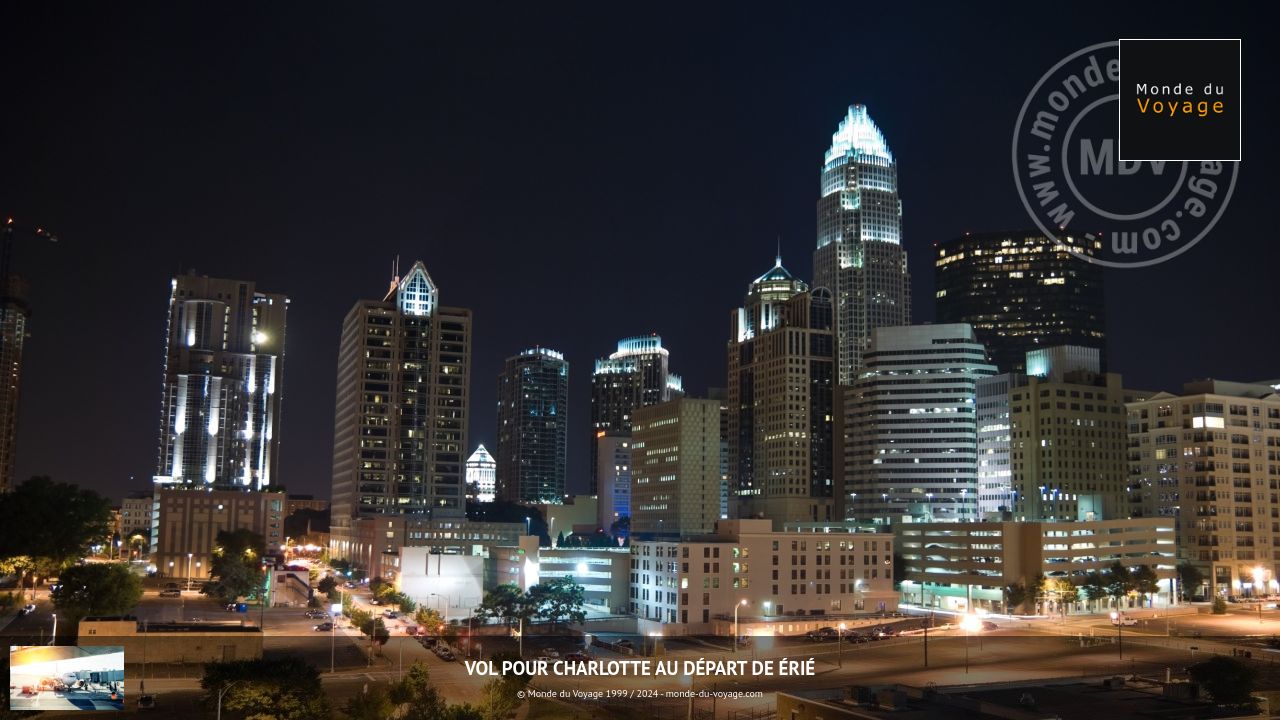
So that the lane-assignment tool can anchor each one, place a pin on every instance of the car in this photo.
(313, 614)
(375, 601)
(988, 625)
(146, 702)
(822, 633)
(625, 644)
(390, 614)
(171, 592)
(324, 627)
(349, 585)
(1124, 620)
(428, 642)
(27, 609)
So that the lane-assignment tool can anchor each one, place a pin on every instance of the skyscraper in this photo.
(612, 478)
(223, 376)
(533, 422)
(634, 376)
(912, 432)
(675, 483)
(1021, 291)
(403, 396)
(14, 313)
(860, 258)
(482, 473)
(781, 380)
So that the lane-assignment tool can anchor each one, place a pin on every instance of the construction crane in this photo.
(6, 255)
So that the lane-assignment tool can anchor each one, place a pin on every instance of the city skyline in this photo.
(131, 222)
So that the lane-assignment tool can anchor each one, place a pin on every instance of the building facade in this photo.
(675, 477)
(691, 586)
(860, 258)
(533, 422)
(223, 382)
(635, 375)
(482, 475)
(613, 477)
(15, 312)
(1208, 459)
(966, 566)
(1021, 291)
(188, 523)
(781, 359)
(403, 398)
(911, 431)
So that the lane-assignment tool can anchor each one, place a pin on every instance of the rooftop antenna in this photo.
(395, 279)
(777, 259)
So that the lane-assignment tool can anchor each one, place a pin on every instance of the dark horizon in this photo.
(573, 180)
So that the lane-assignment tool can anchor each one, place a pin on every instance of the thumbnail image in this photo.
(66, 678)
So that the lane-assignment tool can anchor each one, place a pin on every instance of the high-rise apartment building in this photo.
(635, 375)
(911, 441)
(1210, 458)
(223, 377)
(403, 396)
(1022, 291)
(995, 470)
(675, 479)
(482, 474)
(533, 421)
(860, 258)
(14, 314)
(781, 359)
(613, 477)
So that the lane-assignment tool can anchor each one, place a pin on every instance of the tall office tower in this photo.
(612, 478)
(634, 376)
(1210, 457)
(400, 425)
(1068, 437)
(781, 357)
(14, 314)
(995, 474)
(533, 421)
(675, 483)
(223, 376)
(482, 473)
(860, 258)
(1021, 291)
(912, 430)
(722, 396)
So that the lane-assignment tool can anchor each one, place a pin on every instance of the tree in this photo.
(1119, 582)
(416, 698)
(370, 705)
(236, 569)
(96, 589)
(1219, 605)
(280, 689)
(1228, 681)
(1190, 580)
(1015, 596)
(499, 698)
(42, 519)
(428, 618)
(326, 584)
(505, 603)
(1145, 581)
(561, 598)
(1095, 587)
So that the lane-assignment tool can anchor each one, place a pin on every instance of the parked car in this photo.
(390, 614)
(375, 601)
(1124, 620)
(171, 592)
(324, 627)
(26, 610)
(428, 642)
(822, 633)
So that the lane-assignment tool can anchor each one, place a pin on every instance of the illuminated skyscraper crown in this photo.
(858, 135)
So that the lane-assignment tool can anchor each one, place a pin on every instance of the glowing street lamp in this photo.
(742, 603)
(970, 624)
(1259, 581)
(840, 646)
(1118, 619)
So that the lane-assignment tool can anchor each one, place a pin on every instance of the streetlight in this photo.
(189, 556)
(1118, 619)
(969, 624)
(1259, 577)
(222, 692)
(735, 624)
(840, 646)
(54, 638)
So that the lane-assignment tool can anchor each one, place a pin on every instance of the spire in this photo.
(777, 259)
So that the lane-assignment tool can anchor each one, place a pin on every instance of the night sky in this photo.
(573, 178)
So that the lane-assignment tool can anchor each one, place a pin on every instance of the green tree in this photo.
(279, 689)
(558, 599)
(505, 603)
(428, 618)
(57, 522)
(373, 704)
(1119, 582)
(326, 584)
(415, 697)
(1190, 580)
(1015, 596)
(1145, 581)
(96, 589)
(1095, 587)
(1228, 681)
(1219, 605)
(236, 568)
(499, 698)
